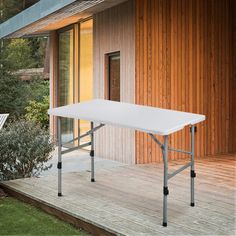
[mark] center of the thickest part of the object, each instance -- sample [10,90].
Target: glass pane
[114,77]
[66,80]
[86,70]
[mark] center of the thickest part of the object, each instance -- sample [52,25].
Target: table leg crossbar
[60,152]
[167,176]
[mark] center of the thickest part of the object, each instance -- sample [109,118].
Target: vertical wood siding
[233,84]
[184,62]
[233,101]
[114,31]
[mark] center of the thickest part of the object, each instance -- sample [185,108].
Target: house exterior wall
[114,31]
[175,54]
[184,62]
[233,101]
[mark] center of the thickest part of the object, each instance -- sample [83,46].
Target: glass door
[66,79]
[85,70]
[75,79]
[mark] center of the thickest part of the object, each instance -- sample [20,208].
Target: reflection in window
[86,69]
[114,76]
[66,79]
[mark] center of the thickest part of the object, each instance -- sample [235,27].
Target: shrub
[24,150]
[37,112]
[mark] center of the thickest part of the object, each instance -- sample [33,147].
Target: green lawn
[17,218]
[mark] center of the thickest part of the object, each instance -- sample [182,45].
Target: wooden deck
[127,200]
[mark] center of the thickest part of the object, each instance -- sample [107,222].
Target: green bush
[24,150]
[37,112]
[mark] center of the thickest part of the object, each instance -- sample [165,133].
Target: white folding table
[142,118]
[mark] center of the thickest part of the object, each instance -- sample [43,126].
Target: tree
[21,53]
[38,48]
[17,55]
[9,8]
[13,94]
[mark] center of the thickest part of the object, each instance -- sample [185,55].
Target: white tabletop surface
[142,118]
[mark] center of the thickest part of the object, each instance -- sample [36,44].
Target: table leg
[192,172]
[92,154]
[59,164]
[165,187]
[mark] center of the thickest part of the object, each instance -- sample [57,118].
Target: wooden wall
[233,120]
[184,62]
[114,31]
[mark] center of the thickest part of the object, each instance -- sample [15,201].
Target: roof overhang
[46,16]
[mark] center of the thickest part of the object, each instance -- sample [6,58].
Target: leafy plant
[25,149]
[37,112]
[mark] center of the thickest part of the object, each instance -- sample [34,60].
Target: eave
[46,16]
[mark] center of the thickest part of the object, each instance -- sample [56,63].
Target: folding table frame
[164,147]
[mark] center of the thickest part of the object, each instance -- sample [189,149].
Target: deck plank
[127,200]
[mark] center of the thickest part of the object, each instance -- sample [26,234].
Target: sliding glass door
[75,78]
[66,79]
[85,70]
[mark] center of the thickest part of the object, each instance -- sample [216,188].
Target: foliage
[18,218]
[13,94]
[38,89]
[17,55]
[38,46]
[30,50]
[37,112]
[24,53]
[9,8]
[24,149]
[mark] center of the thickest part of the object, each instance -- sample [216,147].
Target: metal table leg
[59,164]
[165,187]
[92,154]
[192,172]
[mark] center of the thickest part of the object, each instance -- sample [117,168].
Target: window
[113,76]
[66,79]
[85,70]
[75,80]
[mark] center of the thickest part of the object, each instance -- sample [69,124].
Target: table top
[142,118]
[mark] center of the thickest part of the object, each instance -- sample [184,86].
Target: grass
[17,218]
